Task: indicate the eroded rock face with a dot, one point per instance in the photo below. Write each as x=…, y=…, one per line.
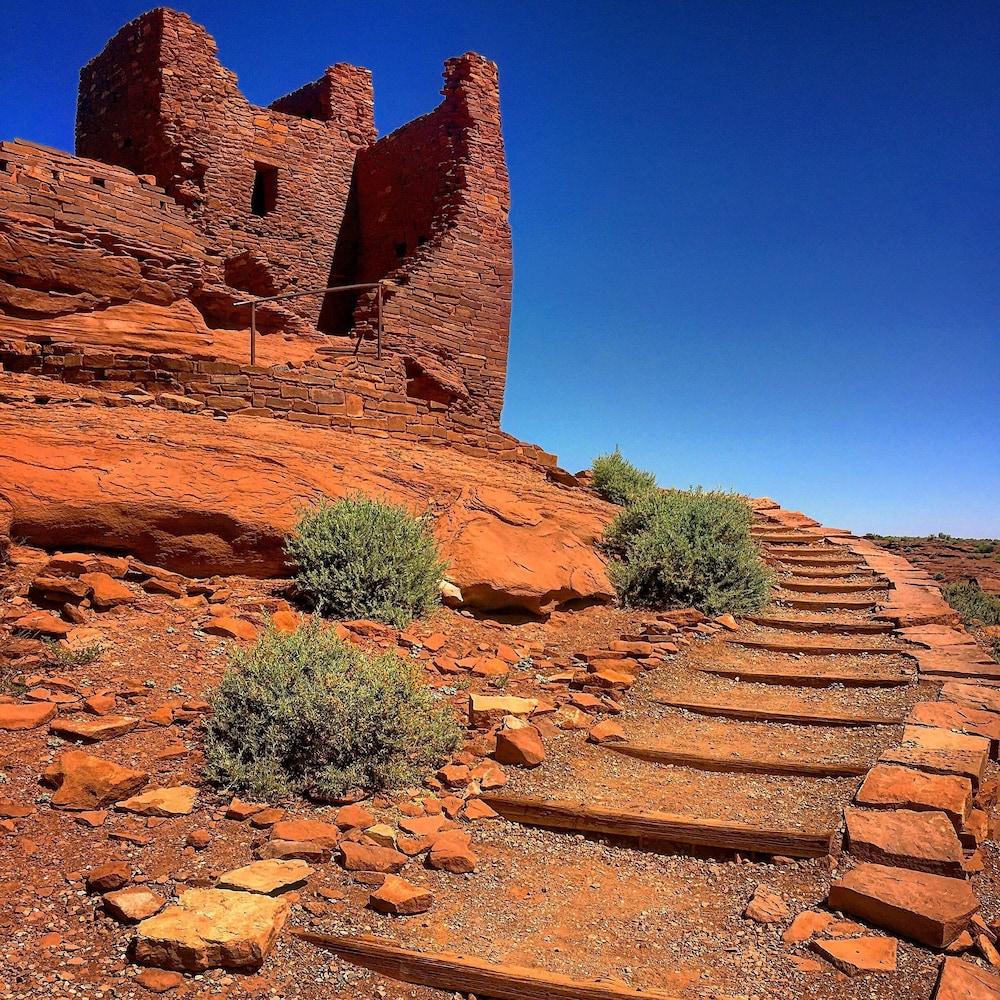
x=199, y=497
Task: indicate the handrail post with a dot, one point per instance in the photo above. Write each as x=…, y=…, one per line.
x=378, y=334
x=253, y=333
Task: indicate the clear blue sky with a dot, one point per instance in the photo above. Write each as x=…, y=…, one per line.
x=756, y=243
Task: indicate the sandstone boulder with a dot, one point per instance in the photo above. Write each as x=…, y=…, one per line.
x=85, y=782
x=129, y=906
x=925, y=841
x=304, y=850
x=400, y=898
x=887, y=785
x=521, y=747
x=212, y=928
x=370, y=858
x=311, y=830
x=452, y=851
x=486, y=709
x=108, y=877
x=766, y=906
x=931, y=909
x=106, y=591
x=93, y=730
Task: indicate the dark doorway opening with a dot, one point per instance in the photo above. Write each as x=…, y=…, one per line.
x=264, y=198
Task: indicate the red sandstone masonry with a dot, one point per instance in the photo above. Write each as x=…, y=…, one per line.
x=162, y=222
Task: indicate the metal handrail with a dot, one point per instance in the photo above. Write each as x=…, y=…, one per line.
x=253, y=303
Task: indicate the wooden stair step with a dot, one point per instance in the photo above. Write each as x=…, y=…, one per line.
x=788, y=539
x=803, y=678
x=818, y=559
x=827, y=625
x=464, y=975
x=710, y=758
x=814, y=586
x=805, y=602
x=813, y=645
x=824, y=573
x=661, y=828
x=802, y=550
x=804, y=716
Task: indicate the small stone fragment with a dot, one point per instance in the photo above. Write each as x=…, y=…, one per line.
x=399, y=897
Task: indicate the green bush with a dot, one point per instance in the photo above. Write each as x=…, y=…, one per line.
x=308, y=712
x=362, y=558
x=676, y=548
x=973, y=603
x=619, y=481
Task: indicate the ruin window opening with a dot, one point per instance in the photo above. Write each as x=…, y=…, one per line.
x=3, y=166
x=401, y=249
x=264, y=198
x=99, y=181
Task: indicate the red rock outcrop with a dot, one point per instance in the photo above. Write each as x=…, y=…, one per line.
x=201, y=497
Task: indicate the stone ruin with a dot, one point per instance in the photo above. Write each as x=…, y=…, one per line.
x=124, y=266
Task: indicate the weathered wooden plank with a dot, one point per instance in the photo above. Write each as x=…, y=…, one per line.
x=804, y=678
x=826, y=573
x=804, y=602
x=827, y=587
x=708, y=759
x=829, y=626
x=665, y=828
x=815, y=646
x=461, y=974
x=796, y=716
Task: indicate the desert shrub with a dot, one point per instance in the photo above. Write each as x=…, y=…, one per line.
x=619, y=481
x=693, y=548
x=308, y=712
x=985, y=546
x=74, y=656
x=973, y=603
x=363, y=558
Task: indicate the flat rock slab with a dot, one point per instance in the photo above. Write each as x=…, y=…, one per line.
x=961, y=980
x=270, y=877
x=857, y=956
x=925, y=841
x=947, y=715
x=42, y=623
x=176, y=801
x=30, y=716
x=132, y=905
x=955, y=662
x=987, y=699
x=961, y=763
x=311, y=831
x=94, y=730
x=934, y=738
x=930, y=909
x=212, y=928
x=85, y=782
x=889, y=786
